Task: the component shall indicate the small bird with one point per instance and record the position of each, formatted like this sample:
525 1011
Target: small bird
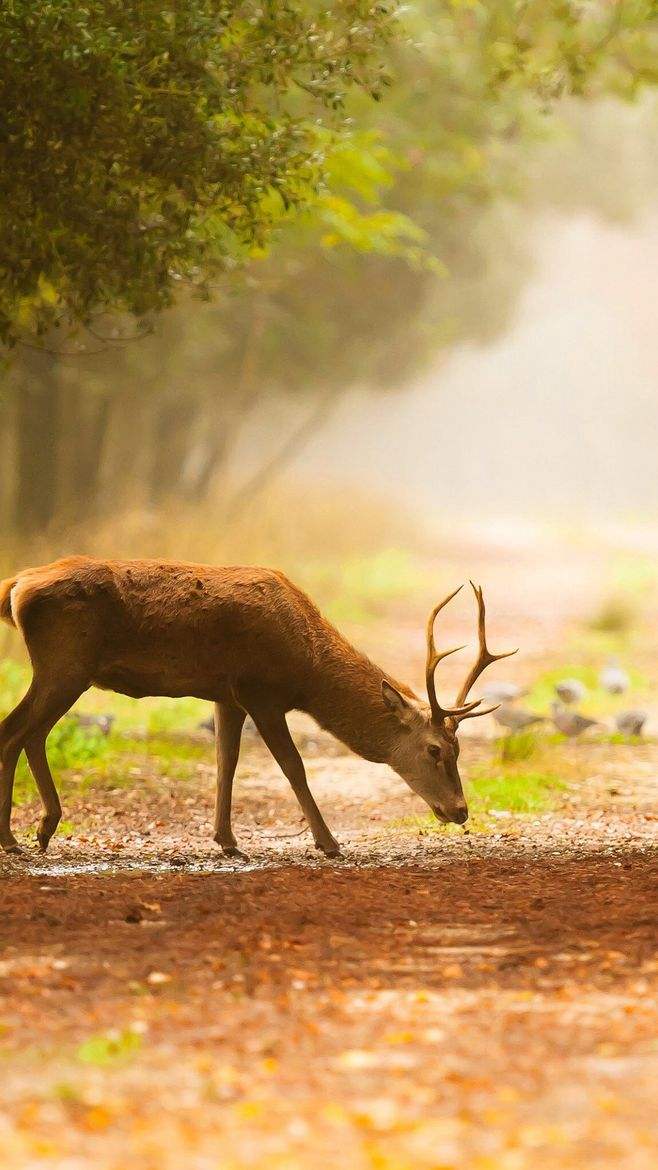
570 690
570 722
631 722
503 692
515 718
613 679
102 723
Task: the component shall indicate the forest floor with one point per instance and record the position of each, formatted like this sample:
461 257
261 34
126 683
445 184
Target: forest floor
437 999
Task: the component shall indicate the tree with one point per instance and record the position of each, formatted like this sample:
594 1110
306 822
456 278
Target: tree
145 143
403 242
417 240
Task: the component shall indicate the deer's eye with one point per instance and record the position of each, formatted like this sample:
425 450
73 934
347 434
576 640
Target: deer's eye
434 751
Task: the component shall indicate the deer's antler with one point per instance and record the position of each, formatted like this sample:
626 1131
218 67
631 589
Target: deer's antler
484 659
439 713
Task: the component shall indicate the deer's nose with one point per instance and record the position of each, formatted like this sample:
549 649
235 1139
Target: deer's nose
460 814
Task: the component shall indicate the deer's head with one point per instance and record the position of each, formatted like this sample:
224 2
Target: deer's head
426 752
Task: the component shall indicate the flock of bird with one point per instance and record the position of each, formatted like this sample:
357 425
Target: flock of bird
569 692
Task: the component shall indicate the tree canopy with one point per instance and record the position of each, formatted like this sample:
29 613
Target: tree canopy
144 143
343 247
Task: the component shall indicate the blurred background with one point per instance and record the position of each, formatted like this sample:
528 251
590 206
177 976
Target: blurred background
449 362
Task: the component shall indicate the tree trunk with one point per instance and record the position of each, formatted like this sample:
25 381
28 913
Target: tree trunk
86 415
221 430
38 421
170 445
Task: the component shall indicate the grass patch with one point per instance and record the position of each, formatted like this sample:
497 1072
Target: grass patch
109 1048
14 681
515 789
505 786
168 715
617 616
152 760
520 746
82 759
618 737
69 747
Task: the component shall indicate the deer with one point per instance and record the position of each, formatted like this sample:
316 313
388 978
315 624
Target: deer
244 638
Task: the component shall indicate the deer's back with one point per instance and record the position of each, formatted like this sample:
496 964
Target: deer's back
177 628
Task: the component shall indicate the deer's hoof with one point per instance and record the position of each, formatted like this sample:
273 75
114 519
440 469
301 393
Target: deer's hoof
14 849
330 851
233 851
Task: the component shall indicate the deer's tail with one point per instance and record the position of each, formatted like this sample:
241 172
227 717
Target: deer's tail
5 600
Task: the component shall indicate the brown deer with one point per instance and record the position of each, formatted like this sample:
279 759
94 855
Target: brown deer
246 639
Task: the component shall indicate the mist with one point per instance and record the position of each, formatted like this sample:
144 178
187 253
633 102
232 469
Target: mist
557 419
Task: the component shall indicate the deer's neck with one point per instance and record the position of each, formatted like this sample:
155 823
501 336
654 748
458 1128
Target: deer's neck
346 699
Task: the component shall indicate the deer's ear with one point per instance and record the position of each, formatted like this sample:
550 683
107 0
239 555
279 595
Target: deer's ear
398 704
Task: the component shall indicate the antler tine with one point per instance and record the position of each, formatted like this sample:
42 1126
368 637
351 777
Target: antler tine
474 714
434 657
484 658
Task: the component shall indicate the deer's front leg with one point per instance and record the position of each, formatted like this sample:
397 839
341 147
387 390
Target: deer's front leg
229 721
274 730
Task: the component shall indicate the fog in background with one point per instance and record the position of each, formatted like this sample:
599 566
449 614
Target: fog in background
521 384
556 419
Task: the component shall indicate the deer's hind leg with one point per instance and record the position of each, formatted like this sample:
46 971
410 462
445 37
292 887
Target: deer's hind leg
229 721
26 727
35 750
12 730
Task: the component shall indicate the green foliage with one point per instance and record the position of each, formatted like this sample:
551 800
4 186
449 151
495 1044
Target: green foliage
72 746
144 143
110 1048
148 148
69 747
415 189
175 715
14 679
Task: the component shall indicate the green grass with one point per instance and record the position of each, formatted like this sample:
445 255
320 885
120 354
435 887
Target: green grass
110 1048
516 789
70 747
521 746
14 681
617 737
173 759
82 759
165 715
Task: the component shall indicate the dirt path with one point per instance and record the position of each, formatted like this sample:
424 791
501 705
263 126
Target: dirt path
483 1001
